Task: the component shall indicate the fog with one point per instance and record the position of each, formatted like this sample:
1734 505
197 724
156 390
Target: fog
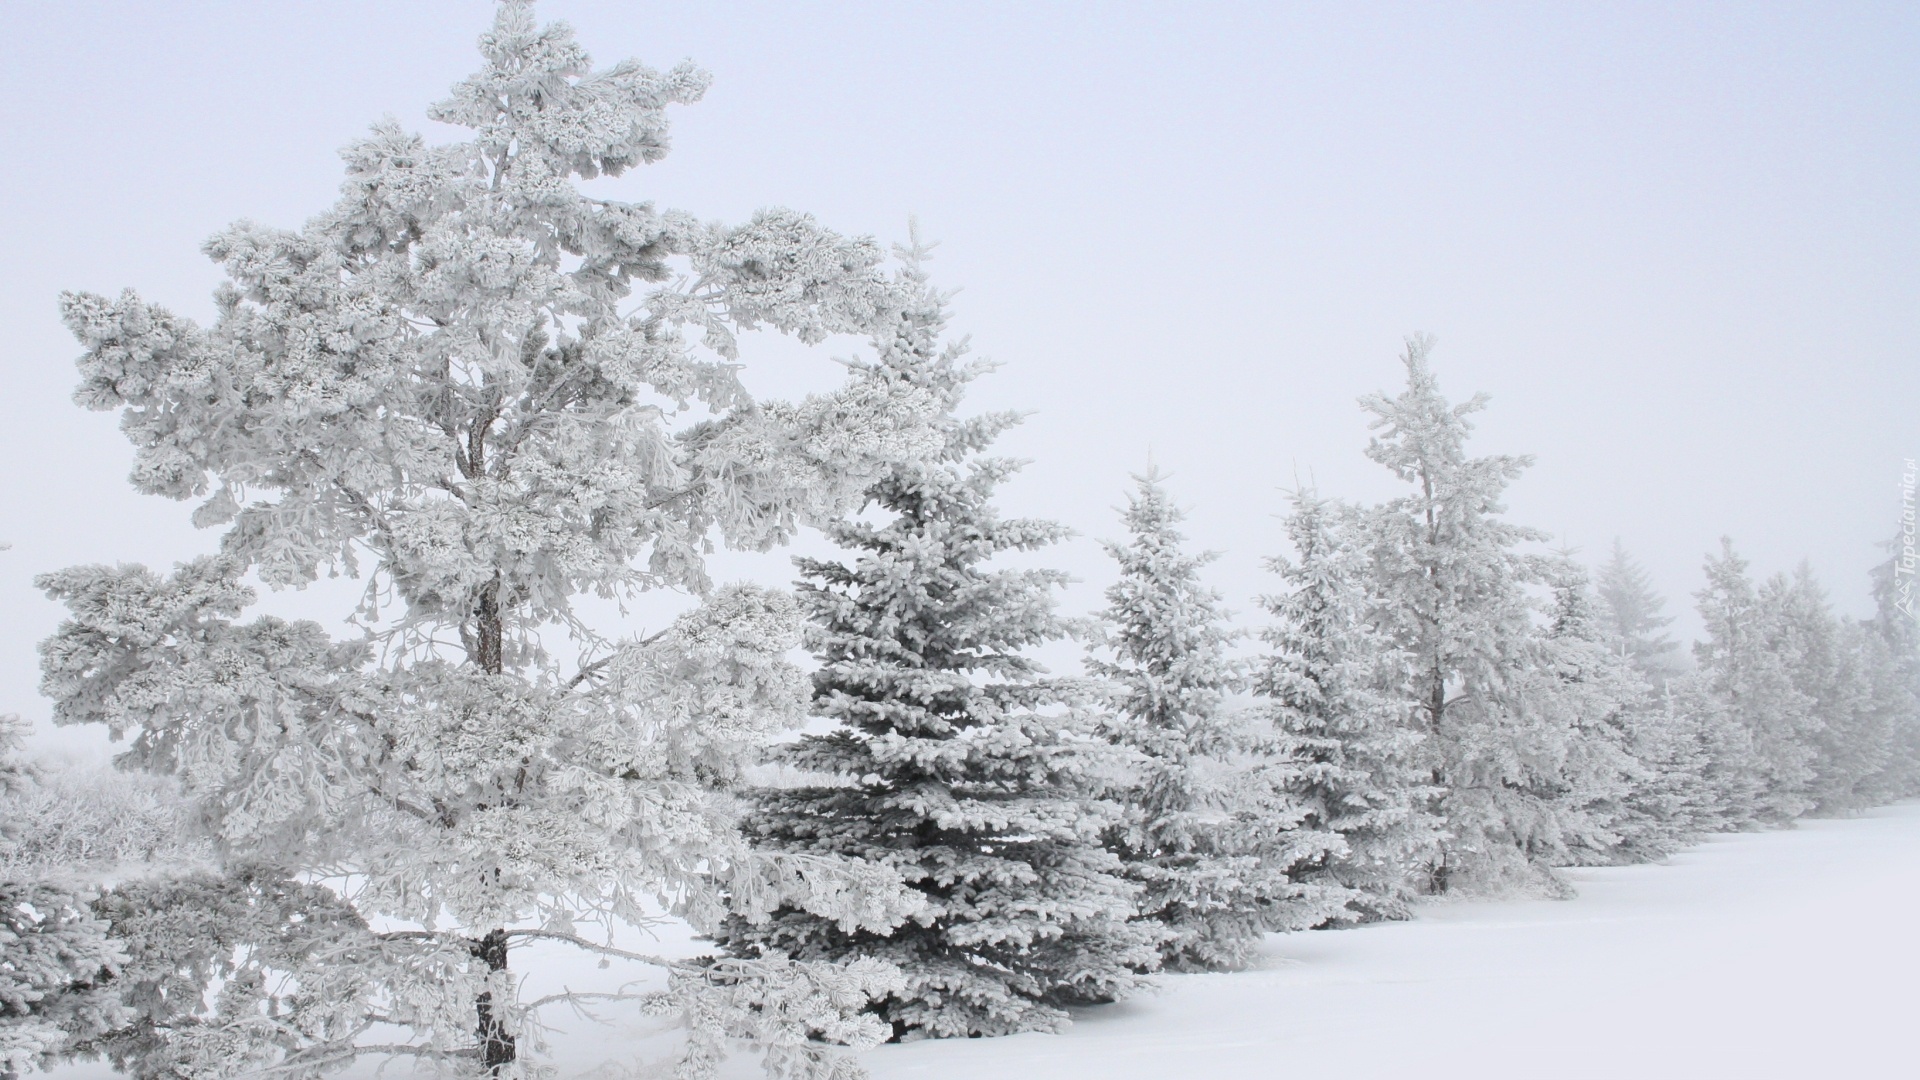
1676 247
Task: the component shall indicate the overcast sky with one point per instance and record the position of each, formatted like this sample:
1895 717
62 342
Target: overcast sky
1679 245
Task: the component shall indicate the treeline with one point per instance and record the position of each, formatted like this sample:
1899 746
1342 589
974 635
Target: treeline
1438 709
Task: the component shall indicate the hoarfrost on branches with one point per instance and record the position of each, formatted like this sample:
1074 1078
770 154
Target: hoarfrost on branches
957 762
1453 588
486 393
1338 691
1213 832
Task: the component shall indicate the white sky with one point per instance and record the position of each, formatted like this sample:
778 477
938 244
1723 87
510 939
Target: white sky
1676 244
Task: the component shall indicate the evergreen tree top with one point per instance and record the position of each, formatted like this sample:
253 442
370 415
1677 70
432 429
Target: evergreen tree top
1629 609
1420 436
1166 630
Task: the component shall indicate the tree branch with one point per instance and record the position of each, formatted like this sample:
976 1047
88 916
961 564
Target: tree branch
590 946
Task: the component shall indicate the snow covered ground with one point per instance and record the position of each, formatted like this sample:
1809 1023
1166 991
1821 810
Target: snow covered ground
1780 954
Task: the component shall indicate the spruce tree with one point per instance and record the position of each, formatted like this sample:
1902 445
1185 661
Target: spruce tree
1761 725
1212 833
1630 618
1673 800
1681 794
1828 667
57 968
16 773
956 761
1337 688
1451 587
1605 703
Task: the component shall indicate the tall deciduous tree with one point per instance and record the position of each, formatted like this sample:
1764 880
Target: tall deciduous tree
487 393
1213 832
957 762
1339 695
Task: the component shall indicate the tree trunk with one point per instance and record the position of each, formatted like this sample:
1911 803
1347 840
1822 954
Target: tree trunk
497 1049
489 646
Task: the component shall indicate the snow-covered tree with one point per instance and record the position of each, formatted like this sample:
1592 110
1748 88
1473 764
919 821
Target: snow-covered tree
1338 692
1682 793
1859 746
233 974
1828 666
56 956
1630 617
1606 703
1450 586
15 773
16 780
57 962
1674 799
1212 833
98 819
956 761
485 392
1761 725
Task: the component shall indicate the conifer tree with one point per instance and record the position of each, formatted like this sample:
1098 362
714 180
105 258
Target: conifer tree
1605 703
1630 618
956 761
1212 833
1337 688
1673 800
55 953
1762 726
1827 664
16 774
1681 794
487 392
1859 742
1450 587
57 963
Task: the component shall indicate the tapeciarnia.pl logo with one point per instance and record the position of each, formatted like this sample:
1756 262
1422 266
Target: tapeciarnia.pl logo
1903 565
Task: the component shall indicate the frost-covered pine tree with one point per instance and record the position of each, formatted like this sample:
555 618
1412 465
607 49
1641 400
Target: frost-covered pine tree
16 773
1631 620
956 762
1337 688
1211 832
1608 704
1859 745
1672 800
486 392
1450 586
56 956
57 967
1760 727
1827 662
